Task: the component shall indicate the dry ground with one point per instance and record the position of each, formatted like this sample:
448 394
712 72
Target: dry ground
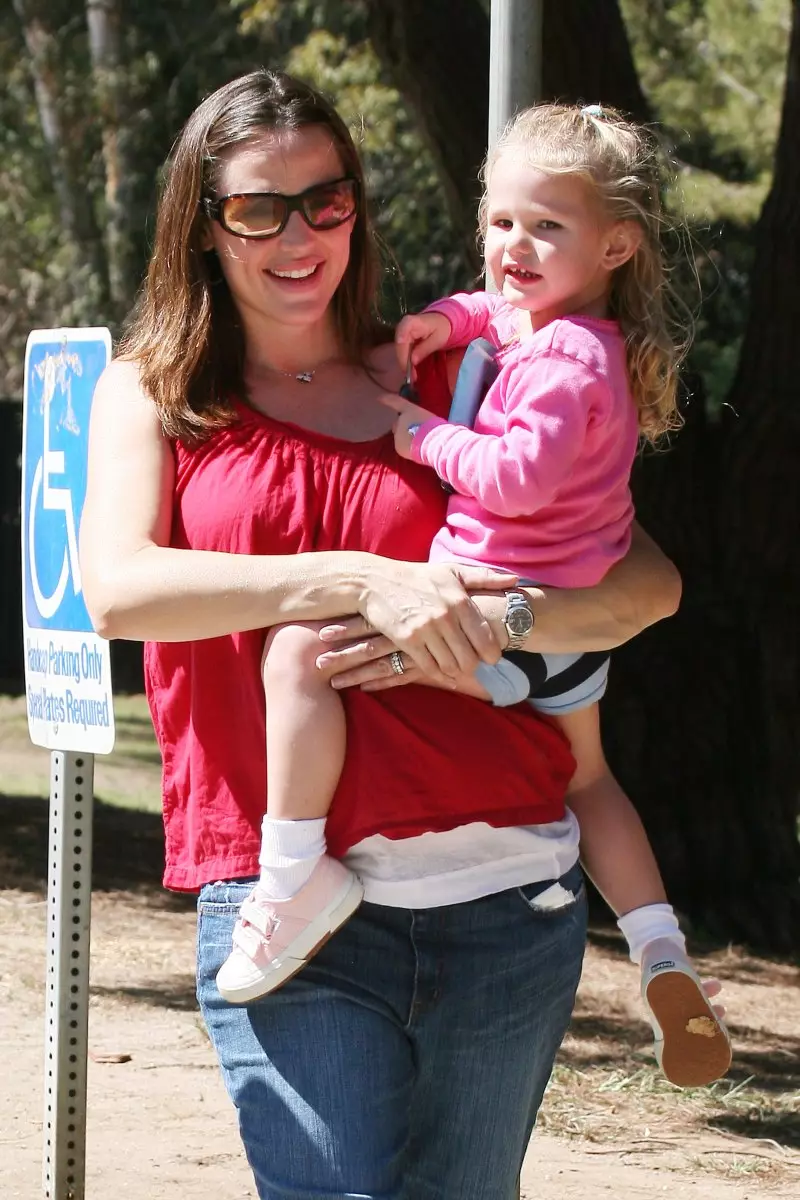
160 1125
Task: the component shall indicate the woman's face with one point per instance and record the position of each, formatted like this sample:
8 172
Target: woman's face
289 279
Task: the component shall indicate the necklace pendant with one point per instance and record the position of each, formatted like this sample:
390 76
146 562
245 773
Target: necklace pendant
304 376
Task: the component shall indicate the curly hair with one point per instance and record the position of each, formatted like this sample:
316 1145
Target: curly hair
625 165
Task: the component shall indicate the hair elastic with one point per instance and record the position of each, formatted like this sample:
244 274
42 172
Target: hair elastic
592 110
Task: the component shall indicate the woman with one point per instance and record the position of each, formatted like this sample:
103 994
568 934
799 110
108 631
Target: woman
242 474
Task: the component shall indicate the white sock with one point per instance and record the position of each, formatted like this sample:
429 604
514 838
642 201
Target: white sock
289 852
643 925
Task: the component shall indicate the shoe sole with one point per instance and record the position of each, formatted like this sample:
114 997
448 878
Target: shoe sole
303 948
696 1049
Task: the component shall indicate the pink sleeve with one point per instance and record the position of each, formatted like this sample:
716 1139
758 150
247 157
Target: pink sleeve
546 403
471 315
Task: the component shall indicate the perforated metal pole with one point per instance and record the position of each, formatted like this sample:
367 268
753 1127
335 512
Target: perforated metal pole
515 60
69 893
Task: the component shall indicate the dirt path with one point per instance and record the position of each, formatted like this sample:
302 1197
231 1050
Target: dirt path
160 1125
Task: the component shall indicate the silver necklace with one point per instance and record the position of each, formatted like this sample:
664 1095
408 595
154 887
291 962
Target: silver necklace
301 376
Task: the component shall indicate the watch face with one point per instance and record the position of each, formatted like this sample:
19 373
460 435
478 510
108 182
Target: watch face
519 620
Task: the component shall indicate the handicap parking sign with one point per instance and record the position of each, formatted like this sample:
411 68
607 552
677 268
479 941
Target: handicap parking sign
67 666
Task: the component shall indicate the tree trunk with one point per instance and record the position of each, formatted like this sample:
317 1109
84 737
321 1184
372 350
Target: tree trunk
586 57
75 208
704 715
104 19
437 56
761 516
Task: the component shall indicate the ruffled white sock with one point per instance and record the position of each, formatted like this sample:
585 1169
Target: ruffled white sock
289 852
643 925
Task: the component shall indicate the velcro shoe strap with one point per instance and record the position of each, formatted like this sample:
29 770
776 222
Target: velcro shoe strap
260 918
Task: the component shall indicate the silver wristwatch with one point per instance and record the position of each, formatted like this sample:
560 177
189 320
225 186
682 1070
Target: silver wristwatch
518 619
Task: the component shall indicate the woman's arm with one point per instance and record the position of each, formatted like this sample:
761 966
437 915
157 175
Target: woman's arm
642 588
137 587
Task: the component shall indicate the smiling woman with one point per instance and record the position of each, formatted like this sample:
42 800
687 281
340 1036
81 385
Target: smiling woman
291 270
243 476
201 271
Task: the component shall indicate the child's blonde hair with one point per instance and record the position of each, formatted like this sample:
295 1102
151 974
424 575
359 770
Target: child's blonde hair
623 162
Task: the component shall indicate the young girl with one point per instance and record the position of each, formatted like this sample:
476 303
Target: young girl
571 222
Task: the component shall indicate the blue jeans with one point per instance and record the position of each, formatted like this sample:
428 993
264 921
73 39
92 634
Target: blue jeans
407 1061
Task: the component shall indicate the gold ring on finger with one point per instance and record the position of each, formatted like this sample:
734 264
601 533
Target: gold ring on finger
396 659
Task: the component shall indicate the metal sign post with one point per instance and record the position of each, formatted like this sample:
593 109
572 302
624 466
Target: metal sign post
515 72
70 712
515 60
515 66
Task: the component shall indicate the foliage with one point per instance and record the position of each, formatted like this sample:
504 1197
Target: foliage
407 198
713 70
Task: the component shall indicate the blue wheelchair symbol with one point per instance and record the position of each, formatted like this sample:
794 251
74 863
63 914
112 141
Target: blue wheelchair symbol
62 378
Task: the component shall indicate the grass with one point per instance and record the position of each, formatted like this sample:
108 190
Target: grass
129 777
734 1128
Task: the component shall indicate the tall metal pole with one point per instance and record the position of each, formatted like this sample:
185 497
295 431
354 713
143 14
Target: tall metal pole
515 60
515 73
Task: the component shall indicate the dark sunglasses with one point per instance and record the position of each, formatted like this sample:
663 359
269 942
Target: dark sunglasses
265 214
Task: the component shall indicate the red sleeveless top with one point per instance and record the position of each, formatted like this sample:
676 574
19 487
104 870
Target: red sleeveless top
418 758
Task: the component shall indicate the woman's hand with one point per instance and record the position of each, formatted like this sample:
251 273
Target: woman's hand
367 661
425 610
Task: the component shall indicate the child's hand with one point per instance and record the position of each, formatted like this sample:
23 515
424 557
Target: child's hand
408 413
420 335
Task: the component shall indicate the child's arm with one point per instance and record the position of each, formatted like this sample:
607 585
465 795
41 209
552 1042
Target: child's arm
545 406
470 315
446 324
615 849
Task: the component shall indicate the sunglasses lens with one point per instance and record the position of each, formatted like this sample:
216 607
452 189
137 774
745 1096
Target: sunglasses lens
253 216
264 214
330 205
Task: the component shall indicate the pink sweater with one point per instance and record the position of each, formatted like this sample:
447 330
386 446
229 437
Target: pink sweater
542 481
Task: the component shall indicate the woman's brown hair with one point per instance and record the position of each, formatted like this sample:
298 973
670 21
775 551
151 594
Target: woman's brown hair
184 331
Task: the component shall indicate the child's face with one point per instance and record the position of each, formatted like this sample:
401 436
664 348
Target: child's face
549 248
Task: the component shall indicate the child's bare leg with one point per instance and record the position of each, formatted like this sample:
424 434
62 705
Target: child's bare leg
306 734
306 742
614 846
692 1045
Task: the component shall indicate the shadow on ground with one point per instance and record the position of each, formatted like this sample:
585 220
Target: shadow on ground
611 1041
781 1128
127 853
178 993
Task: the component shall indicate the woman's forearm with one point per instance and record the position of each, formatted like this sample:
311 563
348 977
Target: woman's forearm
169 595
642 588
